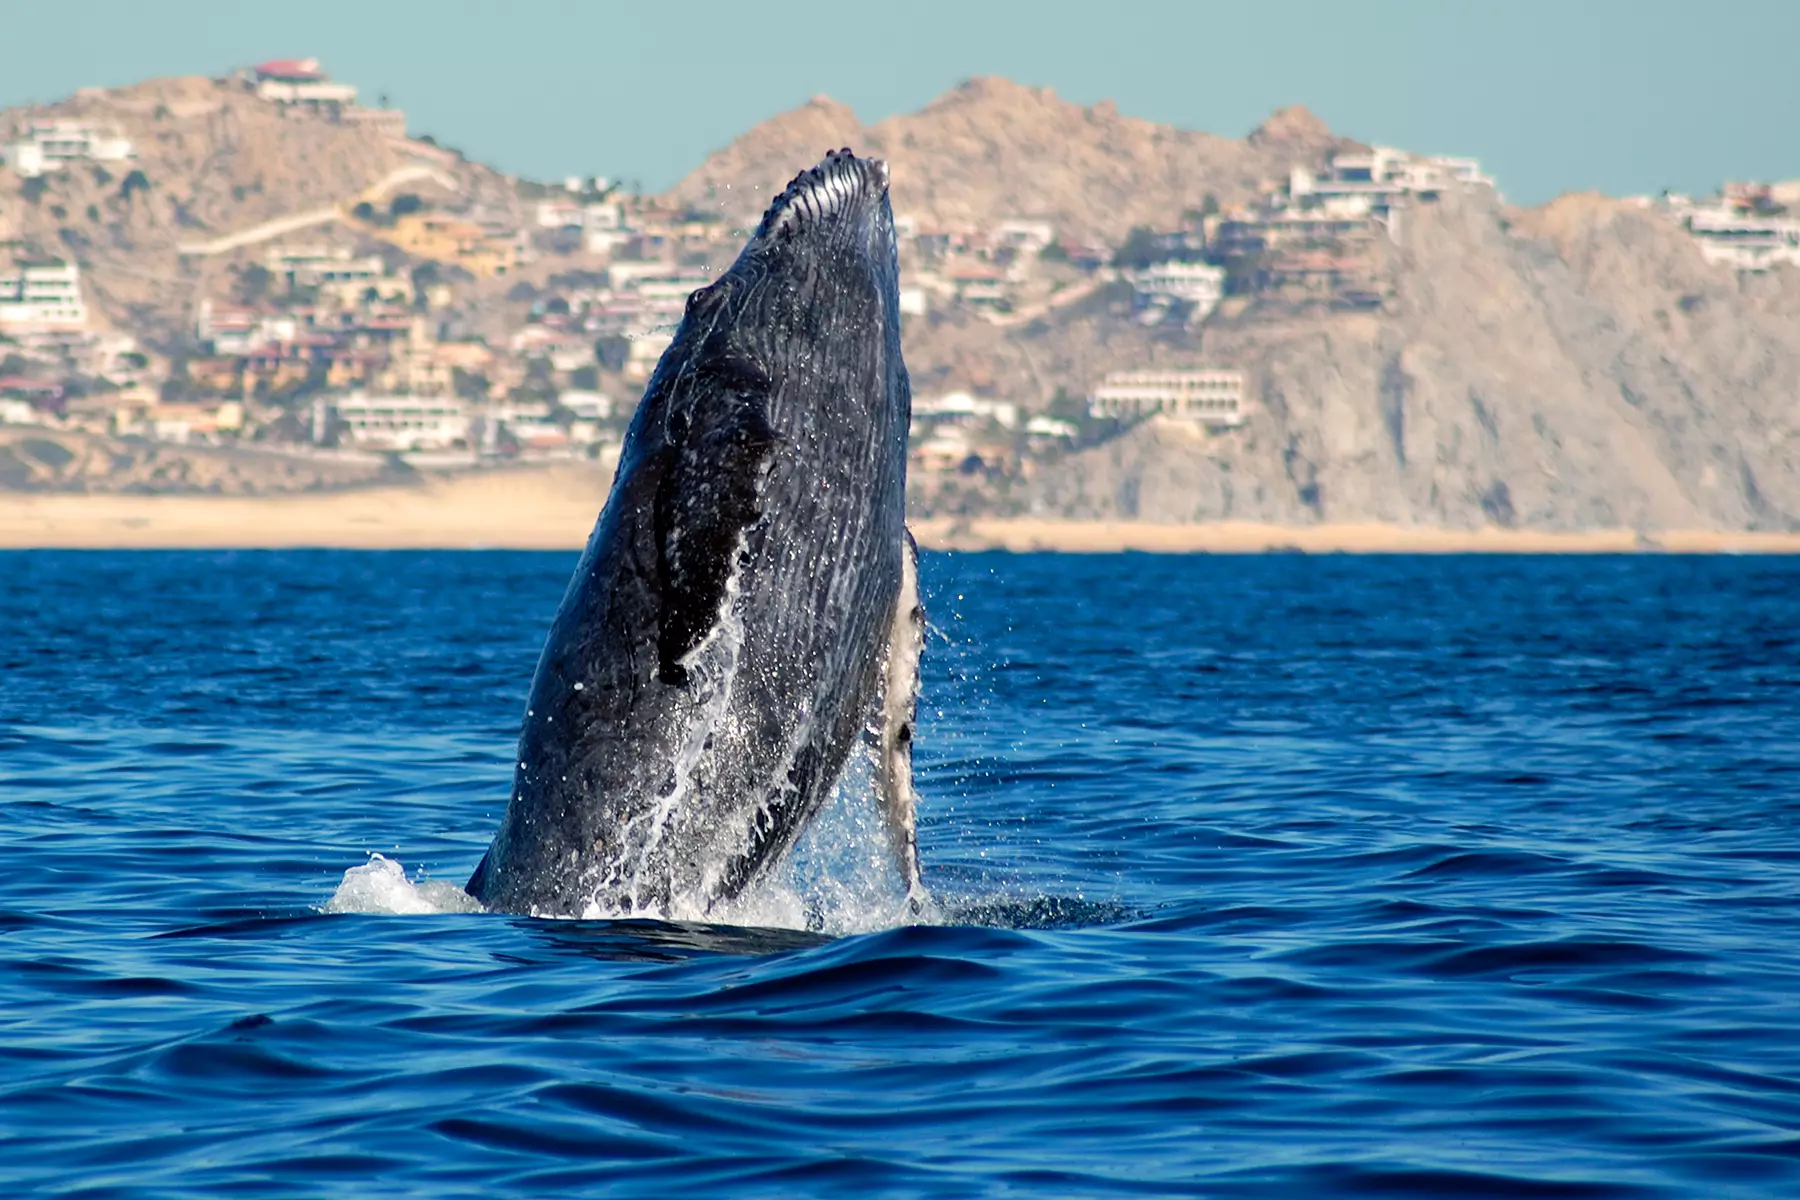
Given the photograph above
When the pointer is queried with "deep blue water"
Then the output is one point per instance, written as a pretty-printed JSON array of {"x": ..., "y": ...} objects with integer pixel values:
[{"x": 1283, "y": 876}]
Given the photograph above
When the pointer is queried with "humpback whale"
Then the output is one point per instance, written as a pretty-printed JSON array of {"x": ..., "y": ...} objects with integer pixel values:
[{"x": 746, "y": 611}]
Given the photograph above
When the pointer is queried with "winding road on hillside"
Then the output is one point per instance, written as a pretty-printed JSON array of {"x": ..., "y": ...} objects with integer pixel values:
[{"x": 276, "y": 226}]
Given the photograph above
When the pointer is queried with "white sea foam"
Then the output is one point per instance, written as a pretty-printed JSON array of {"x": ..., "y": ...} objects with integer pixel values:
[
  {"x": 840, "y": 878},
  {"x": 380, "y": 886}
]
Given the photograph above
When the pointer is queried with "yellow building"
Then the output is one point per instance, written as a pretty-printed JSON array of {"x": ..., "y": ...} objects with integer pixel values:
[{"x": 458, "y": 243}]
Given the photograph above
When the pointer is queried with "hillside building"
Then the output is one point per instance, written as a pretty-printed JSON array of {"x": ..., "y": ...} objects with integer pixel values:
[
  {"x": 301, "y": 82},
  {"x": 310, "y": 266},
  {"x": 1209, "y": 397},
  {"x": 1746, "y": 229},
  {"x": 1357, "y": 183},
  {"x": 1744, "y": 241},
  {"x": 398, "y": 423},
  {"x": 1025, "y": 235},
  {"x": 962, "y": 408},
  {"x": 464, "y": 244},
  {"x": 1199, "y": 284},
  {"x": 41, "y": 296},
  {"x": 52, "y": 145}
]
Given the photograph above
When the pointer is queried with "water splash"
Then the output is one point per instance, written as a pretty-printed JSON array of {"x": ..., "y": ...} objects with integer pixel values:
[
  {"x": 381, "y": 887},
  {"x": 840, "y": 877}
]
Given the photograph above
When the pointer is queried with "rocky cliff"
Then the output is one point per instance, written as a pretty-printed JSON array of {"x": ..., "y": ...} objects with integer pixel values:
[{"x": 1568, "y": 367}]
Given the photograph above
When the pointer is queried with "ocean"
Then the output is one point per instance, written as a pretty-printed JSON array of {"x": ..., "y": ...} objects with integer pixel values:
[{"x": 1252, "y": 876}]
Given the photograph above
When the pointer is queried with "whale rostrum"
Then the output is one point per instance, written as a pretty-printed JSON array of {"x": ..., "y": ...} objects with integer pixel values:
[{"x": 746, "y": 611}]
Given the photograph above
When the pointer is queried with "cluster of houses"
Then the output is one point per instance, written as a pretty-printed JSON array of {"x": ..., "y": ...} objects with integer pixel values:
[
  {"x": 46, "y": 339},
  {"x": 341, "y": 349},
  {"x": 340, "y": 329},
  {"x": 1311, "y": 240}
]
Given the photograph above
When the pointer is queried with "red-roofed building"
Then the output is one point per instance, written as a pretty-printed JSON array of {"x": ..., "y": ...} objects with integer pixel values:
[
  {"x": 301, "y": 81},
  {"x": 290, "y": 70},
  {"x": 27, "y": 388}
]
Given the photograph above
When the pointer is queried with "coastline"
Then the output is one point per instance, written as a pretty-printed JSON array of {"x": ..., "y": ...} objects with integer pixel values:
[{"x": 554, "y": 509}]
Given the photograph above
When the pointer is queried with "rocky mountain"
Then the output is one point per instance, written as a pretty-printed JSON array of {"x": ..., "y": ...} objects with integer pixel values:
[
  {"x": 1568, "y": 367},
  {"x": 1572, "y": 366},
  {"x": 989, "y": 149}
]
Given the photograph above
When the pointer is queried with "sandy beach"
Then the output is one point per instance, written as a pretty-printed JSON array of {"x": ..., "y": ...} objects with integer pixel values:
[{"x": 554, "y": 509}]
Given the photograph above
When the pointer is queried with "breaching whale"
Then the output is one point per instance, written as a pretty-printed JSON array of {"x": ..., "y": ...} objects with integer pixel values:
[{"x": 746, "y": 610}]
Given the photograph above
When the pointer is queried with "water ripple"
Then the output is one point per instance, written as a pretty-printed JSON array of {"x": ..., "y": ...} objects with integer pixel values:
[{"x": 1284, "y": 876}]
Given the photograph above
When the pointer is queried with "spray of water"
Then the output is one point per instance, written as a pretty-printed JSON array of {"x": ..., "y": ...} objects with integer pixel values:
[{"x": 840, "y": 878}]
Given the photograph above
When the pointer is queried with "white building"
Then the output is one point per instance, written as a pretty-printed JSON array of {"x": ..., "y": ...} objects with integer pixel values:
[
  {"x": 14, "y": 411},
  {"x": 1745, "y": 240},
  {"x": 1357, "y": 183},
  {"x": 559, "y": 214},
  {"x": 1363, "y": 186},
  {"x": 1026, "y": 235},
  {"x": 309, "y": 266},
  {"x": 587, "y": 406},
  {"x": 961, "y": 408},
  {"x": 569, "y": 212},
  {"x": 1199, "y": 284},
  {"x": 52, "y": 145},
  {"x": 228, "y": 329},
  {"x": 1208, "y": 397},
  {"x": 301, "y": 82},
  {"x": 402, "y": 422},
  {"x": 41, "y": 296}
]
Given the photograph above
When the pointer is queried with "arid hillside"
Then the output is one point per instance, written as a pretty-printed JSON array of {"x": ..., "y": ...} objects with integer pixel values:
[
  {"x": 211, "y": 160},
  {"x": 990, "y": 149},
  {"x": 1574, "y": 366}
]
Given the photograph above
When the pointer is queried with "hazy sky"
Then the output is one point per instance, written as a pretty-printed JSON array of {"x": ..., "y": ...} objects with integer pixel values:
[{"x": 1553, "y": 95}]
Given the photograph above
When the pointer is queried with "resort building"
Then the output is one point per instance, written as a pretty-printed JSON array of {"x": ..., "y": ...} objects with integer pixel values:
[
  {"x": 41, "y": 296},
  {"x": 52, "y": 145},
  {"x": 1373, "y": 181},
  {"x": 1209, "y": 397},
  {"x": 396, "y": 422}
]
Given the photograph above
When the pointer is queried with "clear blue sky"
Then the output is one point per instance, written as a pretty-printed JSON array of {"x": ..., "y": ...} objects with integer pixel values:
[{"x": 1553, "y": 95}]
